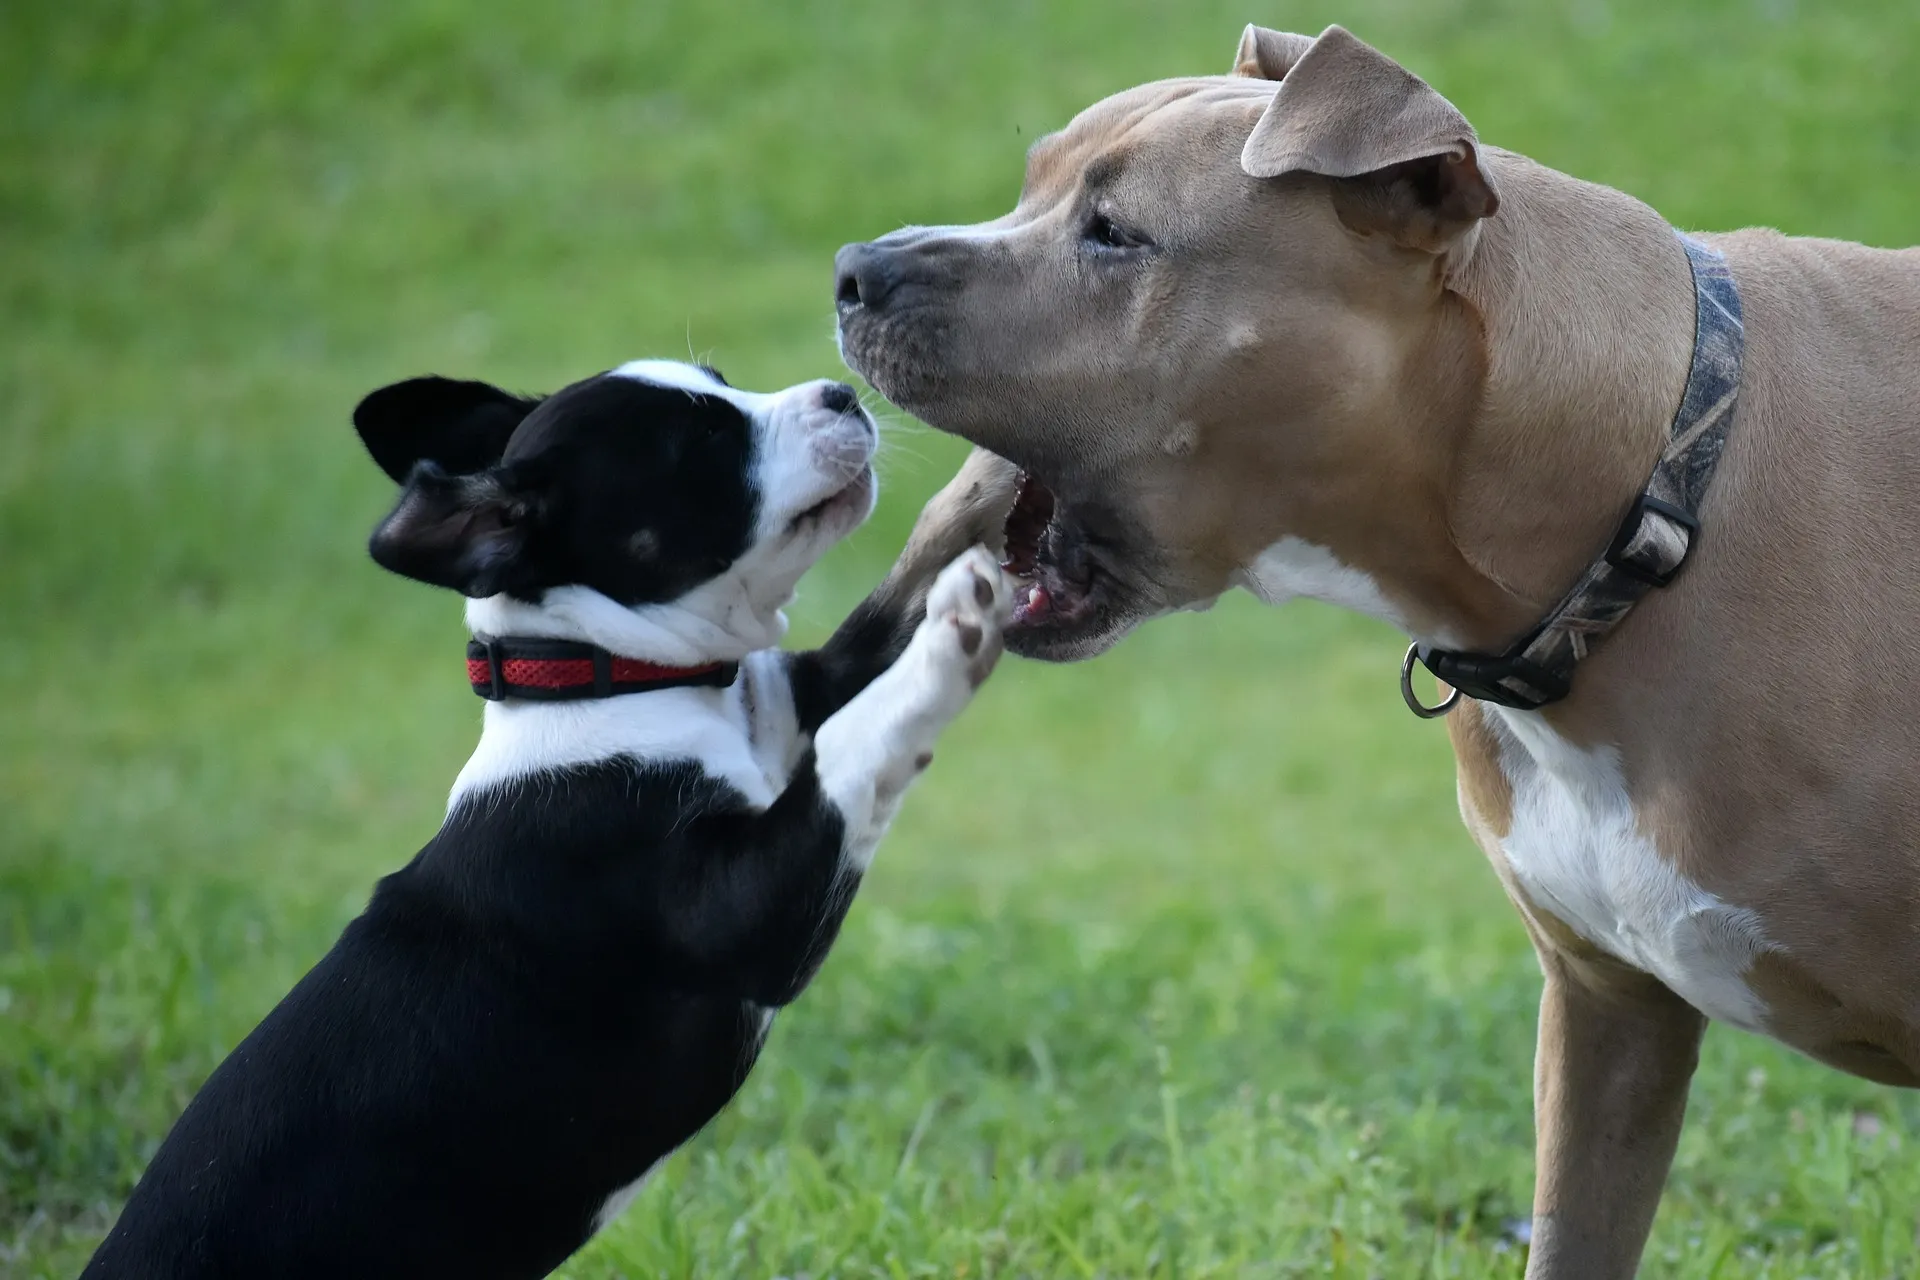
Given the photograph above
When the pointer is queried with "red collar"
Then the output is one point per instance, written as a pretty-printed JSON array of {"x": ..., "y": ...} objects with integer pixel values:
[{"x": 562, "y": 671}]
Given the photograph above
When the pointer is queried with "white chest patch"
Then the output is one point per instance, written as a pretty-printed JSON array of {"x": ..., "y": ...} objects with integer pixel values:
[
  {"x": 1294, "y": 567},
  {"x": 1577, "y": 849}
]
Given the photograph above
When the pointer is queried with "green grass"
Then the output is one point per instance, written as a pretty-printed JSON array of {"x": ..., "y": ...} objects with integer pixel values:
[{"x": 1178, "y": 964}]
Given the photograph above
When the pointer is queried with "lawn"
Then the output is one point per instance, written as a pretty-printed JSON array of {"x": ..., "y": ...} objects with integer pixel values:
[{"x": 1178, "y": 964}]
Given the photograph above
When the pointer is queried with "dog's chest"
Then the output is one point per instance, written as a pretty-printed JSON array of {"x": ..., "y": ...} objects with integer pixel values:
[{"x": 1577, "y": 849}]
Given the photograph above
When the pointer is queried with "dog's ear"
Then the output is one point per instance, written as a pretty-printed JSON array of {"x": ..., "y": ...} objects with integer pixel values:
[
  {"x": 1268, "y": 55},
  {"x": 468, "y": 532},
  {"x": 461, "y": 427},
  {"x": 1408, "y": 160}
]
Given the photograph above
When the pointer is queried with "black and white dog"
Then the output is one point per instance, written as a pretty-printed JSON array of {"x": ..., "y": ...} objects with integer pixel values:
[{"x": 650, "y": 851}]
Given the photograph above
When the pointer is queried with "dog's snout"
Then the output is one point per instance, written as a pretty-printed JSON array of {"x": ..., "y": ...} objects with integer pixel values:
[
  {"x": 865, "y": 276},
  {"x": 846, "y": 284},
  {"x": 838, "y": 397}
]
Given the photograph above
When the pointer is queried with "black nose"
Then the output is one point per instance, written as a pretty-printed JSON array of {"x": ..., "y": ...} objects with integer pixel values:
[
  {"x": 838, "y": 397},
  {"x": 864, "y": 276}
]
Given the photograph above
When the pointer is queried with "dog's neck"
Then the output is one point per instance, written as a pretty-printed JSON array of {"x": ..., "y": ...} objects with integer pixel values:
[
  {"x": 718, "y": 621},
  {"x": 1586, "y": 303}
]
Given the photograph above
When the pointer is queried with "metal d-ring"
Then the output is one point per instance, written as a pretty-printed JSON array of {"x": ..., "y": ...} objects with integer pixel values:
[{"x": 1406, "y": 690}]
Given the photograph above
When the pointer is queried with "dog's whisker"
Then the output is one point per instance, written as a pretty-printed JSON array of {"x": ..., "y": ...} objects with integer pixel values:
[{"x": 890, "y": 449}]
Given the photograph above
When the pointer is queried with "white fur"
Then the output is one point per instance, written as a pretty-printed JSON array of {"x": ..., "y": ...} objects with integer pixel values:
[
  {"x": 797, "y": 462},
  {"x": 719, "y": 621},
  {"x": 802, "y": 454},
  {"x": 744, "y": 734},
  {"x": 1575, "y": 844},
  {"x": 1294, "y": 567},
  {"x": 616, "y": 1204},
  {"x": 1577, "y": 849},
  {"x": 870, "y": 751},
  {"x": 748, "y": 733},
  {"x": 688, "y": 377}
]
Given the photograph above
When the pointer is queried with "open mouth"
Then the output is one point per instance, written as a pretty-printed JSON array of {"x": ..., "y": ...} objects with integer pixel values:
[{"x": 1060, "y": 585}]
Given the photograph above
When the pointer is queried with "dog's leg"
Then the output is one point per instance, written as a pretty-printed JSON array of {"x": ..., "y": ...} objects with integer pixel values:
[
  {"x": 871, "y": 640},
  {"x": 971, "y": 510},
  {"x": 1615, "y": 1057},
  {"x": 763, "y": 894},
  {"x": 872, "y": 749}
]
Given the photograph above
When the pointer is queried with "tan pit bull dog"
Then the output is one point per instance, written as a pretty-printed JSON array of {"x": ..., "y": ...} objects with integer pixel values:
[{"x": 1295, "y": 330}]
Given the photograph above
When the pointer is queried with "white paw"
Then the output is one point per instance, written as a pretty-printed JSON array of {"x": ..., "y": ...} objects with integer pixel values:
[
  {"x": 968, "y": 608},
  {"x": 870, "y": 752}
]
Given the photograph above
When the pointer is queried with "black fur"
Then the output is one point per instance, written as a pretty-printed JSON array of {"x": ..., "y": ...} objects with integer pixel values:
[
  {"x": 569, "y": 980},
  {"x": 561, "y": 988},
  {"x": 636, "y": 490},
  {"x": 464, "y": 426}
]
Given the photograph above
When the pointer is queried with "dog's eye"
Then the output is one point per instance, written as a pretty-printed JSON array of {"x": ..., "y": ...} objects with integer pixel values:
[{"x": 1108, "y": 234}]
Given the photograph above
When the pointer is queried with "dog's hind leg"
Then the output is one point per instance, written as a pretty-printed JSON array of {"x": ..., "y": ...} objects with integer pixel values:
[{"x": 1616, "y": 1055}]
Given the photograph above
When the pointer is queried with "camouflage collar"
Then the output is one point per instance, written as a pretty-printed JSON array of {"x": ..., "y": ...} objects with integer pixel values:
[{"x": 1653, "y": 540}]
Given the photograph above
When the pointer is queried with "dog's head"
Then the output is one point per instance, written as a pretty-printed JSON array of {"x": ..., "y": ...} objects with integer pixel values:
[
  {"x": 1212, "y": 322},
  {"x": 654, "y": 484}
]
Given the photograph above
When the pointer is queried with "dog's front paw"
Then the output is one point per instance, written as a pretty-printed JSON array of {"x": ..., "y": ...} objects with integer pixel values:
[
  {"x": 870, "y": 751},
  {"x": 968, "y": 609}
]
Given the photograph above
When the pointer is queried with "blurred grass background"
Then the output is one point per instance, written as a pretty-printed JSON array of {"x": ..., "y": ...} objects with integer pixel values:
[{"x": 1177, "y": 965}]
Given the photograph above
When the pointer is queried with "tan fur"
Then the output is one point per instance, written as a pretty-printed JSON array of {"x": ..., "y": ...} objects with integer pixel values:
[
  {"x": 968, "y": 511},
  {"x": 1268, "y": 55},
  {"x": 1460, "y": 398}
]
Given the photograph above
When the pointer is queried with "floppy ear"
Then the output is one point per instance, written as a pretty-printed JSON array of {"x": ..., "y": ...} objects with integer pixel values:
[
  {"x": 1268, "y": 55},
  {"x": 461, "y": 426},
  {"x": 1345, "y": 110},
  {"x": 468, "y": 532}
]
